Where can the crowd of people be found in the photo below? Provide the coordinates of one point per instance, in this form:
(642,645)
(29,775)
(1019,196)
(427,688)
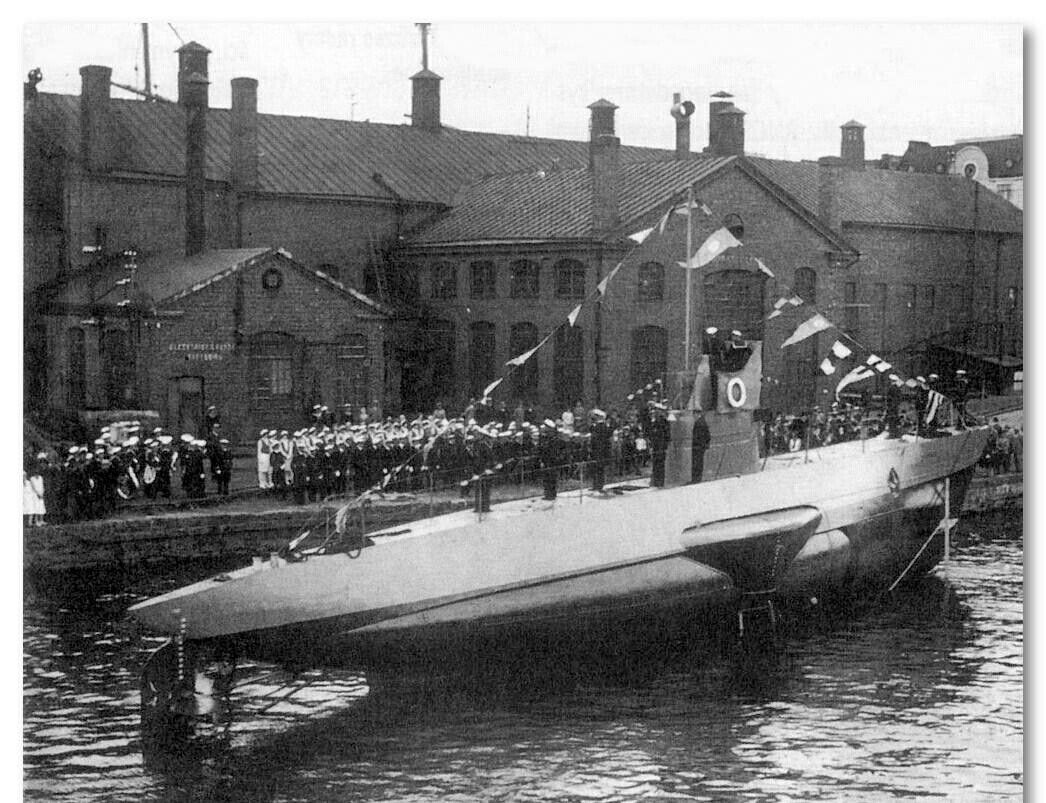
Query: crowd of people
(124,461)
(354,450)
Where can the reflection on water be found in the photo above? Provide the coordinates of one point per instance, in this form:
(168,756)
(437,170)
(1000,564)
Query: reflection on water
(919,695)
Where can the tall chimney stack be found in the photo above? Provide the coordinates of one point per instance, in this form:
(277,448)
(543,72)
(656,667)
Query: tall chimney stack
(424,106)
(96,135)
(682,111)
(726,126)
(244,134)
(603,163)
(852,148)
(193,97)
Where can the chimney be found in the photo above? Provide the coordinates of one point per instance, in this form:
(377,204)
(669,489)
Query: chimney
(244,134)
(726,126)
(682,112)
(852,148)
(604,159)
(96,135)
(424,106)
(192,96)
(829,179)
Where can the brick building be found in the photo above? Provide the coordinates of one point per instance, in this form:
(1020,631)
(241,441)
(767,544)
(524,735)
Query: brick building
(250,331)
(481,242)
(925,270)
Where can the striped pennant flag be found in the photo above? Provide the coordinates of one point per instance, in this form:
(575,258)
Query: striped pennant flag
(879,364)
(783,302)
(933,405)
(858,374)
(839,352)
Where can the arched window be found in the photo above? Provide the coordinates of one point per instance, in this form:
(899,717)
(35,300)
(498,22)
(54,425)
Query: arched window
(649,355)
(805,284)
(76,360)
(523,337)
(482,360)
(525,275)
(442,340)
(651,277)
(352,377)
(569,365)
(444,280)
(483,280)
(118,369)
(733,224)
(733,299)
(570,279)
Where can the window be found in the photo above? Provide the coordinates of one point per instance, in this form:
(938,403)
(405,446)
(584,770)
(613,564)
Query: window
(851,310)
(272,279)
(569,365)
(805,284)
(442,339)
(483,284)
(76,359)
(118,369)
(733,224)
(570,279)
(733,299)
(352,371)
(482,360)
(929,298)
(522,338)
(651,276)
(444,280)
(272,367)
(524,279)
(649,355)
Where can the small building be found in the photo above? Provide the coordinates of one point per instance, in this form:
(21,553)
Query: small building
(995,162)
(251,331)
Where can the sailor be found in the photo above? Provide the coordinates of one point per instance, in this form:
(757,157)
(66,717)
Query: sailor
(699,442)
(893,404)
(658,436)
(481,456)
(734,353)
(299,467)
(549,457)
(599,447)
(264,454)
(194,469)
(164,464)
(221,466)
(210,420)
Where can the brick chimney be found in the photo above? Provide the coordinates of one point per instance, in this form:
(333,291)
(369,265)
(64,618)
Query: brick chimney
(829,179)
(604,158)
(726,126)
(96,123)
(244,134)
(682,111)
(852,149)
(193,97)
(424,105)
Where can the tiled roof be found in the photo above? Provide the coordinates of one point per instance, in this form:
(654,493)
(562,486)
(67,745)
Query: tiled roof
(558,204)
(168,277)
(314,156)
(898,198)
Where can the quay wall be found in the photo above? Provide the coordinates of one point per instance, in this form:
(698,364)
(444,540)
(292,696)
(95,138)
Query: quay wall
(138,542)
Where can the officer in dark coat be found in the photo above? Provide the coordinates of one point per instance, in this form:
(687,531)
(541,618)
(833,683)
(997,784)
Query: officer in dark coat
(165,460)
(658,436)
(300,469)
(481,458)
(699,442)
(221,466)
(960,391)
(549,457)
(599,447)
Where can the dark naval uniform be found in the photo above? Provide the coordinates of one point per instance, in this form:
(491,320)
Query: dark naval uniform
(698,446)
(659,436)
(599,445)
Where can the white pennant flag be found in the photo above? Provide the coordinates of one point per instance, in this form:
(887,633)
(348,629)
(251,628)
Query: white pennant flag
(856,375)
(718,242)
(811,326)
(572,317)
(526,355)
(490,388)
(640,236)
(664,222)
(764,268)
(602,286)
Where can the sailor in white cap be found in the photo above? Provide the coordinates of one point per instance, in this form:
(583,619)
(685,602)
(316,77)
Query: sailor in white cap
(263,452)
